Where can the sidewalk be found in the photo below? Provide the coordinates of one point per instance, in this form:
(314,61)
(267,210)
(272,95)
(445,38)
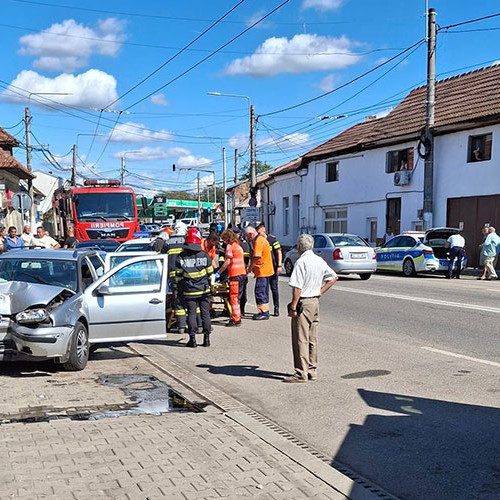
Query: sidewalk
(213,454)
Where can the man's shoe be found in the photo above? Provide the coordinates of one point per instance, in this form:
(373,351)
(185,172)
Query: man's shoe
(260,316)
(192,342)
(312,376)
(206,340)
(276,311)
(294,380)
(233,323)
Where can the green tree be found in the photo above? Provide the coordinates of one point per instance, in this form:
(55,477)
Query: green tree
(260,168)
(179,195)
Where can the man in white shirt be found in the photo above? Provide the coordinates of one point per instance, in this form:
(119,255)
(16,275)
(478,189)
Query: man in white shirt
(27,237)
(456,244)
(42,240)
(311,278)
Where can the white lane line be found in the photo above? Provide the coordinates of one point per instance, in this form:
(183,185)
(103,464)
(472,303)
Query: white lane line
(462,356)
(424,300)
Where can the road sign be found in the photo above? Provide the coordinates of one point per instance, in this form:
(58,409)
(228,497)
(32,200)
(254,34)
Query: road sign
(21,202)
(251,214)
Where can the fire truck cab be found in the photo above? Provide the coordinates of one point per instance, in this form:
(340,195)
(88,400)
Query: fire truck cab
(101,209)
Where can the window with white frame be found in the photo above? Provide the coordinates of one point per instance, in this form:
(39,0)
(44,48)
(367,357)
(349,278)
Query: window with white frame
(286,216)
(336,220)
(332,171)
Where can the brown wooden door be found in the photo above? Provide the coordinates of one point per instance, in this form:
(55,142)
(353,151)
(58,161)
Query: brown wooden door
(473,212)
(393,214)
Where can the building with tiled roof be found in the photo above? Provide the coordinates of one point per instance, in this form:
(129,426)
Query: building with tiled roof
(370,176)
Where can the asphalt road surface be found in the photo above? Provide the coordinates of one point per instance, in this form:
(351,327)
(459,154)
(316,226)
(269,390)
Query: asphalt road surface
(408,387)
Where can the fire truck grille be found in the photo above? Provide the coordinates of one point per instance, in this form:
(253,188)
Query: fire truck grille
(100,234)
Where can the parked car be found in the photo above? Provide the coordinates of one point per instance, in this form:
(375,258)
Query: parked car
(57,304)
(137,245)
(103,245)
(416,252)
(344,253)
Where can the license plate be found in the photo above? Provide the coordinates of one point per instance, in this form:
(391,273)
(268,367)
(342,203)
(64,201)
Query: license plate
(358,256)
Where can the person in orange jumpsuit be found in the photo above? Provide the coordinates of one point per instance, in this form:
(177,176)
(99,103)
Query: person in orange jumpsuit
(235,264)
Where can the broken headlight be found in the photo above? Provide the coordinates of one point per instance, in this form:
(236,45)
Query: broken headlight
(31,316)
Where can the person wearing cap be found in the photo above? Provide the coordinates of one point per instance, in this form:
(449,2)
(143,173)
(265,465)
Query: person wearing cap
(235,264)
(193,269)
(277,256)
(262,267)
(173,248)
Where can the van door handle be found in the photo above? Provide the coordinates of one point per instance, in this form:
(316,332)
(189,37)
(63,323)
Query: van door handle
(155,301)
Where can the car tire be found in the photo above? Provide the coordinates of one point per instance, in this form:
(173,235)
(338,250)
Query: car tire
(288,267)
(365,276)
(79,349)
(409,268)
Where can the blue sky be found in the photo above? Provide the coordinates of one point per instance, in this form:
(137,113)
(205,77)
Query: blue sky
(304,49)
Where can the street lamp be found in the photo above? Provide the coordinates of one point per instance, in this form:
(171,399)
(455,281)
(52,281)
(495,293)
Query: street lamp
(122,175)
(251,112)
(97,134)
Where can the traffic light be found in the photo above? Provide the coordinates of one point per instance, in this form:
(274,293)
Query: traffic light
(173,167)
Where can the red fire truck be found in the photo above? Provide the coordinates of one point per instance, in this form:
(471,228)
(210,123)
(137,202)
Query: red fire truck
(102,209)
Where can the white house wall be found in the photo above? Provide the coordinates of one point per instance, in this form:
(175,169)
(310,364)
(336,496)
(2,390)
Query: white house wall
(455,177)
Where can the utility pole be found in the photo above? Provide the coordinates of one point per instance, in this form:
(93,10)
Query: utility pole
(236,166)
(73,168)
(122,174)
(233,199)
(253,172)
(429,121)
(224,184)
(199,196)
(27,122)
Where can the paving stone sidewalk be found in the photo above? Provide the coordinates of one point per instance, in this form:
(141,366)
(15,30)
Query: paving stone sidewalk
(175,455)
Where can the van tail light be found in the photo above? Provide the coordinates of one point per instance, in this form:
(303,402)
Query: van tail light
(427,252)
(337,254)
(374,254)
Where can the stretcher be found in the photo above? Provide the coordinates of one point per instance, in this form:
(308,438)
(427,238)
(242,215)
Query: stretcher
(220,298)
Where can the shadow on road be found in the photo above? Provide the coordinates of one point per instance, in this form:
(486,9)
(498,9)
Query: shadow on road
(243,371)
(432,449)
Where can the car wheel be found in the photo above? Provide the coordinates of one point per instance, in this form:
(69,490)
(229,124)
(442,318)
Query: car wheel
(409,268)
(288,267)
(79,349)
(365,276)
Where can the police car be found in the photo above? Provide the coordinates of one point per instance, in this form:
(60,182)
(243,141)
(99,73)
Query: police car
(416,252)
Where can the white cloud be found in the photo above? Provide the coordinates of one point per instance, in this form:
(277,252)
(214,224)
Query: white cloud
(255,17)
(321,5)
(192,161)
(72,51)
(300,54)
(94,88)
(239,141)
(327,84)
(205,181)
(159,100)
(291,141)
(137,132)
(151,154)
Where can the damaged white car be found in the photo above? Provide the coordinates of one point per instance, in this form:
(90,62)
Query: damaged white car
(58,304)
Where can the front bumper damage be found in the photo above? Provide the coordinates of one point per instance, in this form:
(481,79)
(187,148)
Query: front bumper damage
(19,342)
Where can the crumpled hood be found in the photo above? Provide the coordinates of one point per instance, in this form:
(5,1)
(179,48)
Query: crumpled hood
(16,296)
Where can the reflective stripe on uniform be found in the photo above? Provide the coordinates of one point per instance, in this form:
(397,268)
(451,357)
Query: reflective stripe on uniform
(195,274)
(174,251)
(197,293)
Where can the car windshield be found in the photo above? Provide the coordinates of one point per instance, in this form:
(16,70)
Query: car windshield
(104,206)
(346,240)
(48,272)
(135,247)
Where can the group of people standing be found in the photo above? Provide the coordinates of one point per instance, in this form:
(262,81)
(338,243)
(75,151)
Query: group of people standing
(195,264)
(10,239)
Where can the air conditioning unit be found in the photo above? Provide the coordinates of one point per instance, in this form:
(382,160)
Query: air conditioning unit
(402,178)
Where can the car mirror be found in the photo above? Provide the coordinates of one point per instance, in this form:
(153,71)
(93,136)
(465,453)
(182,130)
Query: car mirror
(103,290)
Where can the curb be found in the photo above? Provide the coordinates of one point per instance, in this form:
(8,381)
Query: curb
(346,483)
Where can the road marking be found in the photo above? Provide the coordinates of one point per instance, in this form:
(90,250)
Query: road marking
(462,356)
(423,300)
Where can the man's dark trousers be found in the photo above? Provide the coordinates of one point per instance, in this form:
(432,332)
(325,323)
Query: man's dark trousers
(262,295)
(455,253)
(273,283)
(192,303)
(243,293)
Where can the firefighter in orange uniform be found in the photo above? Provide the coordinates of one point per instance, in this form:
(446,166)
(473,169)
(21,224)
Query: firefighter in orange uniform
(235,264)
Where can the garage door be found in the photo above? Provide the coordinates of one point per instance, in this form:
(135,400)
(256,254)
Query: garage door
(473,212)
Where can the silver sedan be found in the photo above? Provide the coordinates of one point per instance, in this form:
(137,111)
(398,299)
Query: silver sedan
(344,253)
(56,304)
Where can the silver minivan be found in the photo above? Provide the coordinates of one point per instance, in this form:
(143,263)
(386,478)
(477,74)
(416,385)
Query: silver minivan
(344,253)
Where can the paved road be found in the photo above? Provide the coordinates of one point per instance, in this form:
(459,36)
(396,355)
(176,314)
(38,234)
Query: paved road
(408,387)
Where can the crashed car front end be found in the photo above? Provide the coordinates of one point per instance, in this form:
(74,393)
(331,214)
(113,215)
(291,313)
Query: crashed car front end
(36,321)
